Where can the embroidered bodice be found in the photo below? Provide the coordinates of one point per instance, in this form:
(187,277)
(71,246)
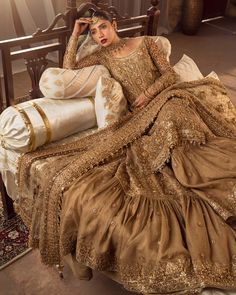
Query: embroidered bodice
(144,68)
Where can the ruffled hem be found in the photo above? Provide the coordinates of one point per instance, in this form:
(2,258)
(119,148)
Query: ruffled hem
(165,245)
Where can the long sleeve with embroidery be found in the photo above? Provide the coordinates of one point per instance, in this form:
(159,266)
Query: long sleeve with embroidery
(168,75)
(70,60)
(90,60)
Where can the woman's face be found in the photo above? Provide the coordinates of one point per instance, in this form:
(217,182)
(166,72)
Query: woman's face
(103,32)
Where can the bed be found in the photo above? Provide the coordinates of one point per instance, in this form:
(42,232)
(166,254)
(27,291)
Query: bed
(52,39)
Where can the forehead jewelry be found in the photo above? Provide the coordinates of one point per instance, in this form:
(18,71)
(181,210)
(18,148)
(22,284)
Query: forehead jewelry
(95,19)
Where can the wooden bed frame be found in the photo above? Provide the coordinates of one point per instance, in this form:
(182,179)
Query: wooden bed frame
(36,57)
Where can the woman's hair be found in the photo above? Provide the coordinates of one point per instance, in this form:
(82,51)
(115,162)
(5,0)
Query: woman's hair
(98,14)
(103,14)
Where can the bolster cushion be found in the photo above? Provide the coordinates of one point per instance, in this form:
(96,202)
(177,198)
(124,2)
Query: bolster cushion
(28,125)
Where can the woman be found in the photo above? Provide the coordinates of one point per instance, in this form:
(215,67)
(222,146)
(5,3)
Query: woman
(103,31)
(151,198)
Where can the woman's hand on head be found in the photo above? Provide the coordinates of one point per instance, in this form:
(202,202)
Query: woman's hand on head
(141,101)
(81,25)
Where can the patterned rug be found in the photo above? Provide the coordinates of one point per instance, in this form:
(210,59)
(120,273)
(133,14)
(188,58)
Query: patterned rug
(13,239)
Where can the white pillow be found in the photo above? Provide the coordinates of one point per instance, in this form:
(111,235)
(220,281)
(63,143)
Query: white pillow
(110,103)
(30,124)
(88,47)
(60,83)
(187,69)
(165,45)
(213,74)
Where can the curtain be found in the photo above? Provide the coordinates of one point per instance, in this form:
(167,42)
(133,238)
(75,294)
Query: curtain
(32,13)
(138,7)
(131,7)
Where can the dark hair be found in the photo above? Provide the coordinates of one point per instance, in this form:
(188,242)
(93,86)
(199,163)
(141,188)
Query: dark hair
(103,14)
(98,13)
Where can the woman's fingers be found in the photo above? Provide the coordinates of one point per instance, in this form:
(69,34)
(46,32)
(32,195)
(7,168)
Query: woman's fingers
(139,102)
(84,20)
(81,25)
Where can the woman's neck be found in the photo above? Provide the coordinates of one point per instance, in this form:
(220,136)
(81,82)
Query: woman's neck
(116,40)
(116,47)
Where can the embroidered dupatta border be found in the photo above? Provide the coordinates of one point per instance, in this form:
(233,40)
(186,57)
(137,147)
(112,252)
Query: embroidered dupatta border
(123,133)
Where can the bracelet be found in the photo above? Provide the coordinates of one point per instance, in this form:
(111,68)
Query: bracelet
(148,95)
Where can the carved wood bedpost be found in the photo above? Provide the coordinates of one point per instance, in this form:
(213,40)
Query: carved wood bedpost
(8,210)
(37,65)
(95,2)
(154,13)
(71,7)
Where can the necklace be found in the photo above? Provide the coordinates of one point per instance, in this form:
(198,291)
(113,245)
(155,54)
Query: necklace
(116,47)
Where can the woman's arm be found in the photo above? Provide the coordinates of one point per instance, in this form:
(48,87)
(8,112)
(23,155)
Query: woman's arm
(70,62)
(168,75)
(167,78)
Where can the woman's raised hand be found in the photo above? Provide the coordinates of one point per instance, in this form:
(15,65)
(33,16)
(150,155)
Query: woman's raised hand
(81,25)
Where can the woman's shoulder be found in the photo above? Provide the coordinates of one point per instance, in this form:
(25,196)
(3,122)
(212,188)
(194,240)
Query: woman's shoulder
(135,41)
(147,40)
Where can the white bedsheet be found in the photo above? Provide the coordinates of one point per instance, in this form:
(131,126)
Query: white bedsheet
(9,162)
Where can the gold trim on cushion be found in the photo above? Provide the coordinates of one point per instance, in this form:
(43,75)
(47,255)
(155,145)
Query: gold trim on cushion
(26,119)
(45,121)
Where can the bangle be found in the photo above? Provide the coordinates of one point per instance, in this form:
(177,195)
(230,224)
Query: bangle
(148,95)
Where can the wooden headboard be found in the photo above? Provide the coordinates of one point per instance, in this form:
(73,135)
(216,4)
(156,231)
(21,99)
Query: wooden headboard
(55,38)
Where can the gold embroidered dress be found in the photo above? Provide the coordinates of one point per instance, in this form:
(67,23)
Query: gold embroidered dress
(151,197)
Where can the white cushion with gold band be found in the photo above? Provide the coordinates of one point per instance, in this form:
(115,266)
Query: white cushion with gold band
(30,124)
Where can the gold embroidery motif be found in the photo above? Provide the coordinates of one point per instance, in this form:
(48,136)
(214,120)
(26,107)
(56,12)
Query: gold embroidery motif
(114,100)
(45,80)
(69,60)
(128,130)
(176,118)
(58,94)
(58,83)
(162,275)
(55,71)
